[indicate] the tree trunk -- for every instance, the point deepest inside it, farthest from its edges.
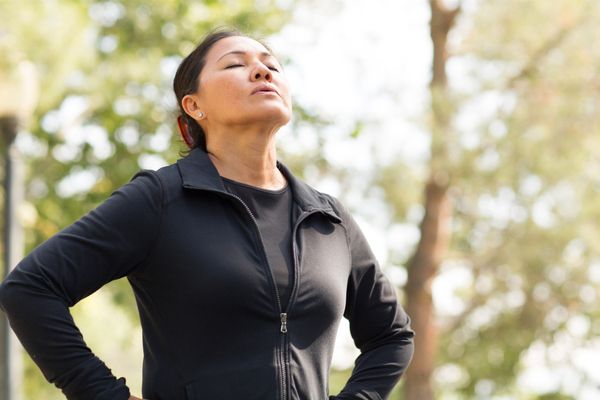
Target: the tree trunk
(435, 226)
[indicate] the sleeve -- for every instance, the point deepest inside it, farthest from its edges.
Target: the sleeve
(378, 324)
(107, 243)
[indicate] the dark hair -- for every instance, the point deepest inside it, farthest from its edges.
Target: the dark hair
(186, 80)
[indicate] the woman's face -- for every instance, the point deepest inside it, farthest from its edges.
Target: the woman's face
(241, 84)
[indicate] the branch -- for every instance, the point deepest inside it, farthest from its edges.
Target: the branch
(553, 42)
(442, 21)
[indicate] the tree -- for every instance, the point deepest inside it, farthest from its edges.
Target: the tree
(435, 226)
(518, 174)
(524, 215)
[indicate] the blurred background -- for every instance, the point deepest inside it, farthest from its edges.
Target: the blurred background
(464, 136)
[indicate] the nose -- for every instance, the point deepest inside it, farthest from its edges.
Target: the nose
(261, 72)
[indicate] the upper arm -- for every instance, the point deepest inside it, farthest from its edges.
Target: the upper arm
(372, 306)
(105, 244)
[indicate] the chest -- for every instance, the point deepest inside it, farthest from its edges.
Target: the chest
(210, 256)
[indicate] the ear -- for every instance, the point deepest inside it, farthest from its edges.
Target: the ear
(190, 105)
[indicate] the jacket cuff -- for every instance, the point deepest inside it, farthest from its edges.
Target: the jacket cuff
(119, 392)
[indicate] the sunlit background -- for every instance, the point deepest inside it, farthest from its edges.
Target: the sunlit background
(505, 149)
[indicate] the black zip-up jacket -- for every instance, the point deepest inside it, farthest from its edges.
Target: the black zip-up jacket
(213, 327)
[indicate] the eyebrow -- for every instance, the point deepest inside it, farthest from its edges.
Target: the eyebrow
(263, 54)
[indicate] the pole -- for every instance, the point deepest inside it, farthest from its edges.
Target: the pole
(10, 357)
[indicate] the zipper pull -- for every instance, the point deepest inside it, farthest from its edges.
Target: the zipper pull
(283, 322)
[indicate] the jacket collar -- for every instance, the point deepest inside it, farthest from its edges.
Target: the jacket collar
(198, 172)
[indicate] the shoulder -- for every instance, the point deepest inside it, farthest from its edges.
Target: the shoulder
(336, 205)
(333, 202)
(162, 182)
(166, 176)
(349, 223)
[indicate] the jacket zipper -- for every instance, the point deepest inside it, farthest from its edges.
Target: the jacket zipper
(283, 316)
(293, 294)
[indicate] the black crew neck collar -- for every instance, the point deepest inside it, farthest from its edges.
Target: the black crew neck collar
(258, 189)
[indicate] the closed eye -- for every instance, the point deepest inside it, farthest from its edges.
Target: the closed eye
(272, 68)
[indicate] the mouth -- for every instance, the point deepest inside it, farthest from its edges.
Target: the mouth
(265, 89)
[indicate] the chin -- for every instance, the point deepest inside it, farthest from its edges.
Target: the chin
(273, 115)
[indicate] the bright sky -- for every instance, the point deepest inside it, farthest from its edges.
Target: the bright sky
(364, 63)
(360, 62)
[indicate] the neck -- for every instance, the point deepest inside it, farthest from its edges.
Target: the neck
(246, 155)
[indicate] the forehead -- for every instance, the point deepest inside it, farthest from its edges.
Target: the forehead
(234, 43)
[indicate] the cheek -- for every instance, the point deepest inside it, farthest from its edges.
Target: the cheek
(224, 89)
(221, 96)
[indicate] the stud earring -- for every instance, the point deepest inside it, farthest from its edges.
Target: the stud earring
(201, 115)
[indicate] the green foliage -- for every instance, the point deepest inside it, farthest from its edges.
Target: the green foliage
(555, 396)
(523, 190)
(337, 380)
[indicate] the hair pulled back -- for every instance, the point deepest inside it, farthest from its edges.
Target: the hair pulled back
(187, 81)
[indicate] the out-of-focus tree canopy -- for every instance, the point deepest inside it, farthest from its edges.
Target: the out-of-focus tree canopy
(521, 156)
(524, 166)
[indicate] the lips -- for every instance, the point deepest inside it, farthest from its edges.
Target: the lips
(264, 88)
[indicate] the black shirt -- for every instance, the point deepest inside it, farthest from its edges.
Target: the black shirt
(272, 210)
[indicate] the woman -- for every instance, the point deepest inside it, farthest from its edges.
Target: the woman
(241, 271)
